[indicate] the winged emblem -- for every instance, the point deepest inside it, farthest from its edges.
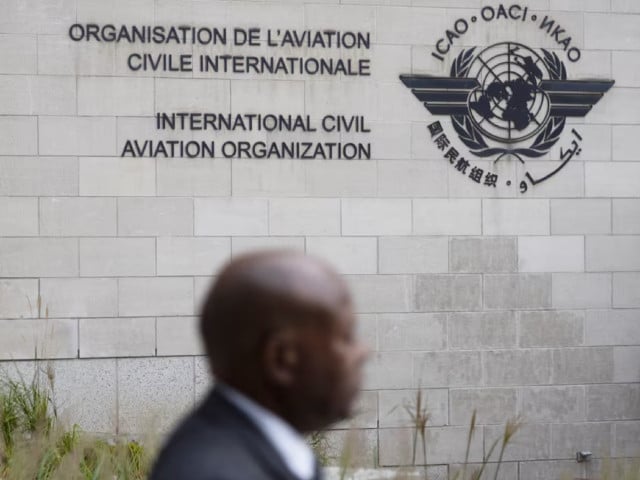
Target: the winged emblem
(507, 94)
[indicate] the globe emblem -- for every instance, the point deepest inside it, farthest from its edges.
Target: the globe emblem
(509, 105)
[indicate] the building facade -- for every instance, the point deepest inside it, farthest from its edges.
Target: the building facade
(471, 167)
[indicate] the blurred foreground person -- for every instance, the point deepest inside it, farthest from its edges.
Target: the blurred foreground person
(279, 330)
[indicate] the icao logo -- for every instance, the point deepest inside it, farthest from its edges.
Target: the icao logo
(506, 100)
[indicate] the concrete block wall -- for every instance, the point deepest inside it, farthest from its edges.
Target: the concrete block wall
(479, 298)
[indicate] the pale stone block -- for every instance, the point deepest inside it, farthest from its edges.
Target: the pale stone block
(413, 254)
(392, 141)
(268, 178)
(115, 11)
(242, 245)
(388, 60)
(203, 378)
(553, 404)
(58, 55)
(447, 217)
(626, 364)
(447, 369)
(282, 16)
(115, 96)
(568, 439)
(192, 256)
(613, 253)
(581, 290)
(155, 216)
(448, 292)
(192, 95)
(624, 142)
(551, 328)
(341, 178)
(612, 327)
(531, 442)
(566, 184)
(580, 217)
(18, 216)
(551, 254)
(517, 367)
(19, 135)
(543, 469)
(117, 257)
(626, 217)
(277, 97)
(344, 98)
(367, 330)
(409, 25)
(382, 293)
(18, 54)
(38, 176)
(412, 331)
(85, 393)
(625, 6)
(596, 140)
(79, 297)
(517, 291)
(38, 95)
(612, 179)
(581, 6)
(627, 439)
(340, 17)
(153, 393)
(117, 337)
(394, 406)
(625, 65)
(155, 296)
(194, 177)
(69, 216)
(76, 136)
(483, 255)
(388, 370)
(626, 290)
(38, 257)
(480, 330)
(583, 365)
(361, 446)
(492, 405)
(231, 216)
(117, 176)
(179, 336)
(515, 217)
(412, 178)
(37, 16)
(28, 339)
(610, 32)
(613, 402)
(304, 216)
(201, 288)
(444, 445)
(349, 255)
(376, 216)
(18, 298)
(365, 413)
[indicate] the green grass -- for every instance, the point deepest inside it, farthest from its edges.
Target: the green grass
(35, 445)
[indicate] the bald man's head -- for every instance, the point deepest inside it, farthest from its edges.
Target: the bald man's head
(280, 326)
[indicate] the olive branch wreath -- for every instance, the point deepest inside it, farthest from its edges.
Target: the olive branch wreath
(471, 135)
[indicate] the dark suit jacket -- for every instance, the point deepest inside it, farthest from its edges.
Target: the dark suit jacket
(219, 442)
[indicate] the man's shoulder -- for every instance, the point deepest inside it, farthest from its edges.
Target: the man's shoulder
(207, 445)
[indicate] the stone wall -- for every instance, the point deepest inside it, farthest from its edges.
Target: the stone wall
(484, 298)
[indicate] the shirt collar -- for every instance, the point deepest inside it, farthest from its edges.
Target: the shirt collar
(291, 446)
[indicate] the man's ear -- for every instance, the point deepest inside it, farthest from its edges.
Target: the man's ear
(281, 356)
